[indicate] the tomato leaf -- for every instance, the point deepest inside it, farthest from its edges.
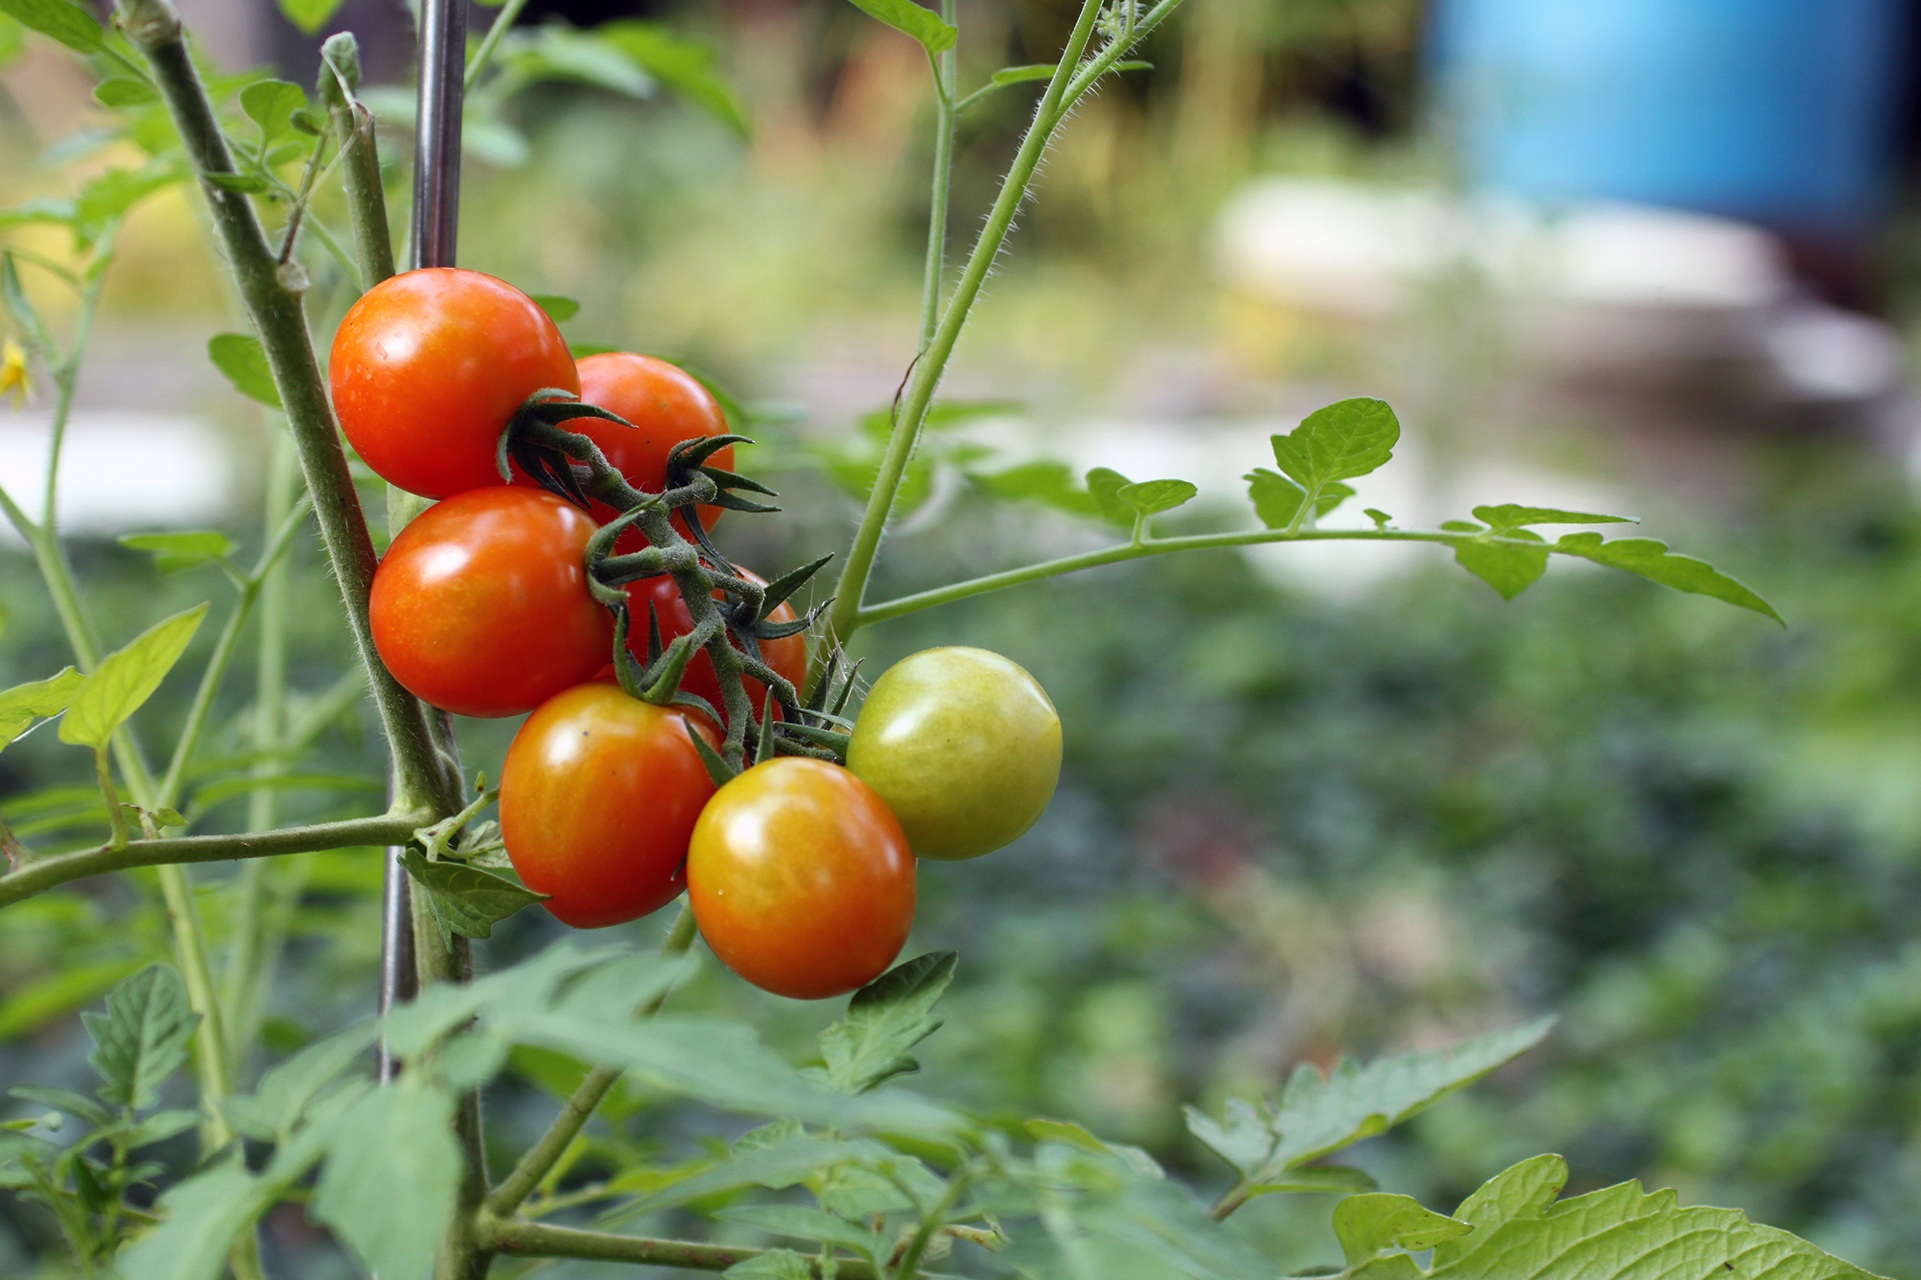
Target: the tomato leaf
(1152, 497)
(125, 91)
(1369, 1224)
(271, 105)
(1653, 561)
(65, 21)
(808, 1223)
(1277, 499)
(391, 1172)
(683, 65)
(465, 899)
(885, 1019)
(1346, 439)
(775, 1264)
(1508, 516)
(173, 552)
(1507, 568)
(21, 705)
(309, 15)
(924, 25)
(1041, 481)
(241, 357)
(558, 309)
(125, 679)
(143, 1036)
(203, 1215)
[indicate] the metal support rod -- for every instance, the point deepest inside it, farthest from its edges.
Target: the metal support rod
(436, 224)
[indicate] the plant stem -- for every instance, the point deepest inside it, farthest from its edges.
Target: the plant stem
(1237, 1196)
(541, 1157)
(508, 15)
(443, 959)
(116, 816)
(1124, 551)
(845, 617)
(360, 168)
(945, 76)
(154, 27)
(170, 852)
(539, 1240)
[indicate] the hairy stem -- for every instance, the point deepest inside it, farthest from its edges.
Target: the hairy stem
(539, 1240)
(462, 1256)
(845, 618)
(360, 156)
(945, 76)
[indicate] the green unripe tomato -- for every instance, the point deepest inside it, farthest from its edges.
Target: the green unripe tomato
(964, 747)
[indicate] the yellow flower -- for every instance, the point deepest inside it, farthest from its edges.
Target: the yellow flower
(13, 372)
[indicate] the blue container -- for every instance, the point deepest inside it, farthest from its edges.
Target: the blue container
(1778, 111)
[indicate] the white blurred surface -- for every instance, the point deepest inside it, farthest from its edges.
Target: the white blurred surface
(122, 471)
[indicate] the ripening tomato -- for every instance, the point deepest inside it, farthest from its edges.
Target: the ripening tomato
(787, 655)
(800, 879)
(964, 747)
(665, 403)
(598, 800)
(429, 366)
(481, 606)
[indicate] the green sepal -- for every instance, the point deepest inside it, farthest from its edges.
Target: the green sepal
(781, 589)
(718, 769)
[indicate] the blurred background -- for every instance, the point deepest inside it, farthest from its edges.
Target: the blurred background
(1656, 258)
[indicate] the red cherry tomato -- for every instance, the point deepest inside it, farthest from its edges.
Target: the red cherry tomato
(428, 367)
(481, 605)
(597, 802)
(665, 403)
(787, 655)
(800, 879)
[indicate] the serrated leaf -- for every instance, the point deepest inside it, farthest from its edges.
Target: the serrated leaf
(1652, 560)
(884, 1020)
(1277, 499)
(124, 91)
(309, 15)
(775, 1264)
(32, 1006)
(558, 309)
(802, 1222)
(1042, 1129)
(465, 899)
(241, 358)
(388, 1183)
(924, 25)
(1152, 497)
(777, 1165)
(1507, 568)
(21, 705)
(685, 66)
(287, 1089)
(173, 552)
(159, 1126)
(1525, 1189)
(1370, 1224)
(1508, 516)
(66, 22)
(143, 1036)
(1348, 438)
(271, 104)
(1623, 1233)
(201, 1218)
(77, 1105)
(125, 679)
(1316, 1116)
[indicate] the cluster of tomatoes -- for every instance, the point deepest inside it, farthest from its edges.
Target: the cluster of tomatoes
(800, 869)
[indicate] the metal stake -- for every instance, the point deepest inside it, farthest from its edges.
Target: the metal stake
(436, 223)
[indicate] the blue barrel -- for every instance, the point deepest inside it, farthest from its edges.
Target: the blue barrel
(1778, 111)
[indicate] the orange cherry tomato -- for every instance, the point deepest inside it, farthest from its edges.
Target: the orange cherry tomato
(598, 799)
(787, 655)
(429, 366)
(481, 606)
(800, 879)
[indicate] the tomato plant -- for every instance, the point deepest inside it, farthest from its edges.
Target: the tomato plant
(801, 879)
(481, 605)
(964, 747)
(598, 799)
(664, 404)
(787, 655)
(427, 368)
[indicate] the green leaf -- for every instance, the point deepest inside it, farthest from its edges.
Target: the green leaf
(288, 1088)
(23, 311)
(1340, 442)
(1336, 1178)
(683, 65)
(1620, 1233)
(13, 41)
(202, 1216)
(559, 52)
(388, 1184)
(1509, 516)
(241, 357)
(271, 104)
(885, 1019)
(1653, 561)
(111, 195)
(806, 1223)
(775, 1264)
(1042, 1129)
(125, 91)
(125, 679)
(66, 22)
(1021, 74)
(1316, 1116)
(558, 309)
(77, 1105)
(1370, 1224)
(924, 25)
(1277, 499)
(309, 15)
(1105, 485)
(1151, 497)
(244, 184)
(21, 705)
(173, 552)
(1380, 518)
(465, 899)
(143, 1036)
(28, 1008)
(1509, 569)
(1042, 481)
